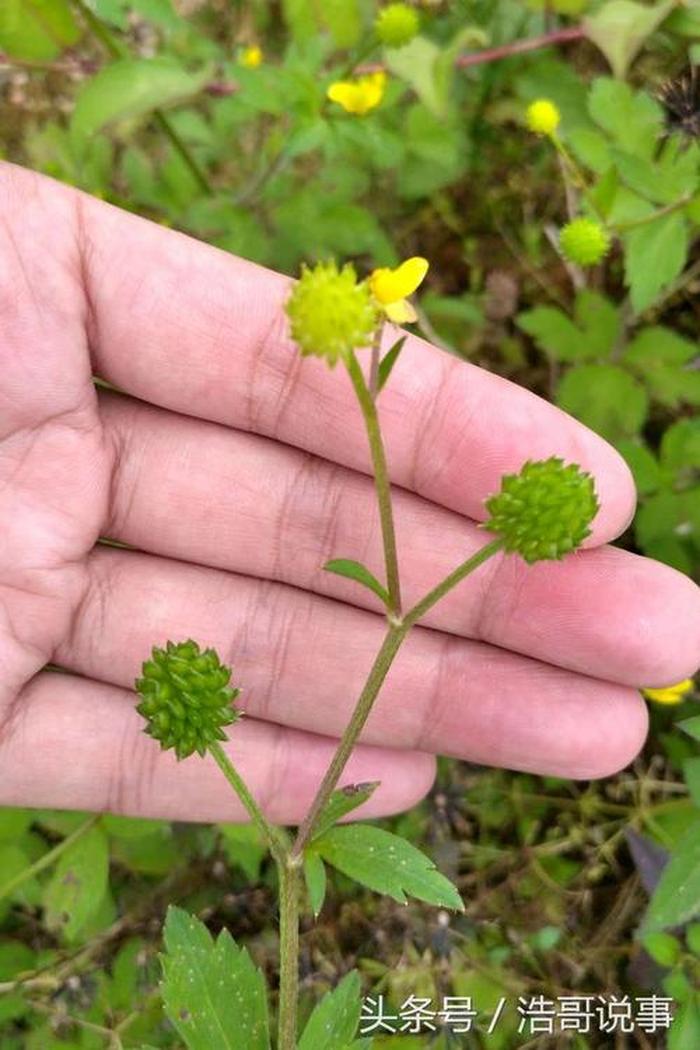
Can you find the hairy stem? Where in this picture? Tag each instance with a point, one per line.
(273, 836)
(381, 483)
(289, 954)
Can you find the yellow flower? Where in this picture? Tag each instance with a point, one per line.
(671, 694)
(251, 57)
(542, 117)
(390, 288)
(359, 96)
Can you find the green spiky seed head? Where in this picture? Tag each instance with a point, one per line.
(330, 312)
(397, 25)
(545, 511)
(186, 698)
(584, 242)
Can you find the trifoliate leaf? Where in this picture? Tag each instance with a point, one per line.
(212, 992)
(334, 1020)
(387, 864)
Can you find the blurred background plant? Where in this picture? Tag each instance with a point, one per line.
(215, 116)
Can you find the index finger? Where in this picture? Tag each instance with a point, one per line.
(196, 330)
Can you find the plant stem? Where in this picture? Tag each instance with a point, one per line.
(48, 859)
(380, 668)
(273, 835)
(381, 483)
(623, 227)
(289, 954)
(432, 597)
(115, 49)
(383, 661)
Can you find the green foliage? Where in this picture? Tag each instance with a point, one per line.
(676, 899)
(333, 1023)
(353, 570)
(386, 863)
(78, 885)
(37, 31)
(213, 994)
(620, 27)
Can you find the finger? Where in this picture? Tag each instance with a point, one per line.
(204, 493)
(191, 328)
(114, 767)
(443, 695)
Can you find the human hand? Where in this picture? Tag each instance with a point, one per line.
(236, 469)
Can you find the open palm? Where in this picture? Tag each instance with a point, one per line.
(228, 471)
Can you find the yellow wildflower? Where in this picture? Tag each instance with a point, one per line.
(359, 96)
(542, 117)
(390, 288)
(671, 694)
(251, 57)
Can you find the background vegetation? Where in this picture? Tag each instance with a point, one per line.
(156, 106)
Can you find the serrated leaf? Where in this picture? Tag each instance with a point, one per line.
(77, 888)
(655, 253)
(353, 570)
(212, 992)
(633, 120)
(658, 355)
(315, 877)
(132, 88)
(620, 27)
(334, 1020)
(37, 30)
(677, 896)
(554, 332)
(606, 398)
(342, 802)
(388, 361)
(387, 864)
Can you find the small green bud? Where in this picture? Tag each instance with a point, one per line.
(545, 511)
(397, 25)
(584, 242)
(186, 698)
(330, 312)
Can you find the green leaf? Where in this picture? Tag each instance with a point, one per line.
(132, 88)
(685, 1030)
(415, 64)
(655, 253)
(353, 570)
(669, 514)
(633, 120)
(676, 899)
(343, 19)
(78, 886)
(342, 802)
(387, 864)
(388, 361)
(620, 27)
(334, 1020)
(691, 726)
(642, 463)
(315, 876)
(663, 948)
(680, 451)
(605, 398)
(37, 30)
(245, 847)
(212, 992)
(599, 319)
(691, 774)
(554, 332)
(658, 355)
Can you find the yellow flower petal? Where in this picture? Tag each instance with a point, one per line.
(401, 312)
(251, 57)
(388, 286)
(358, 96)
(671, 694)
